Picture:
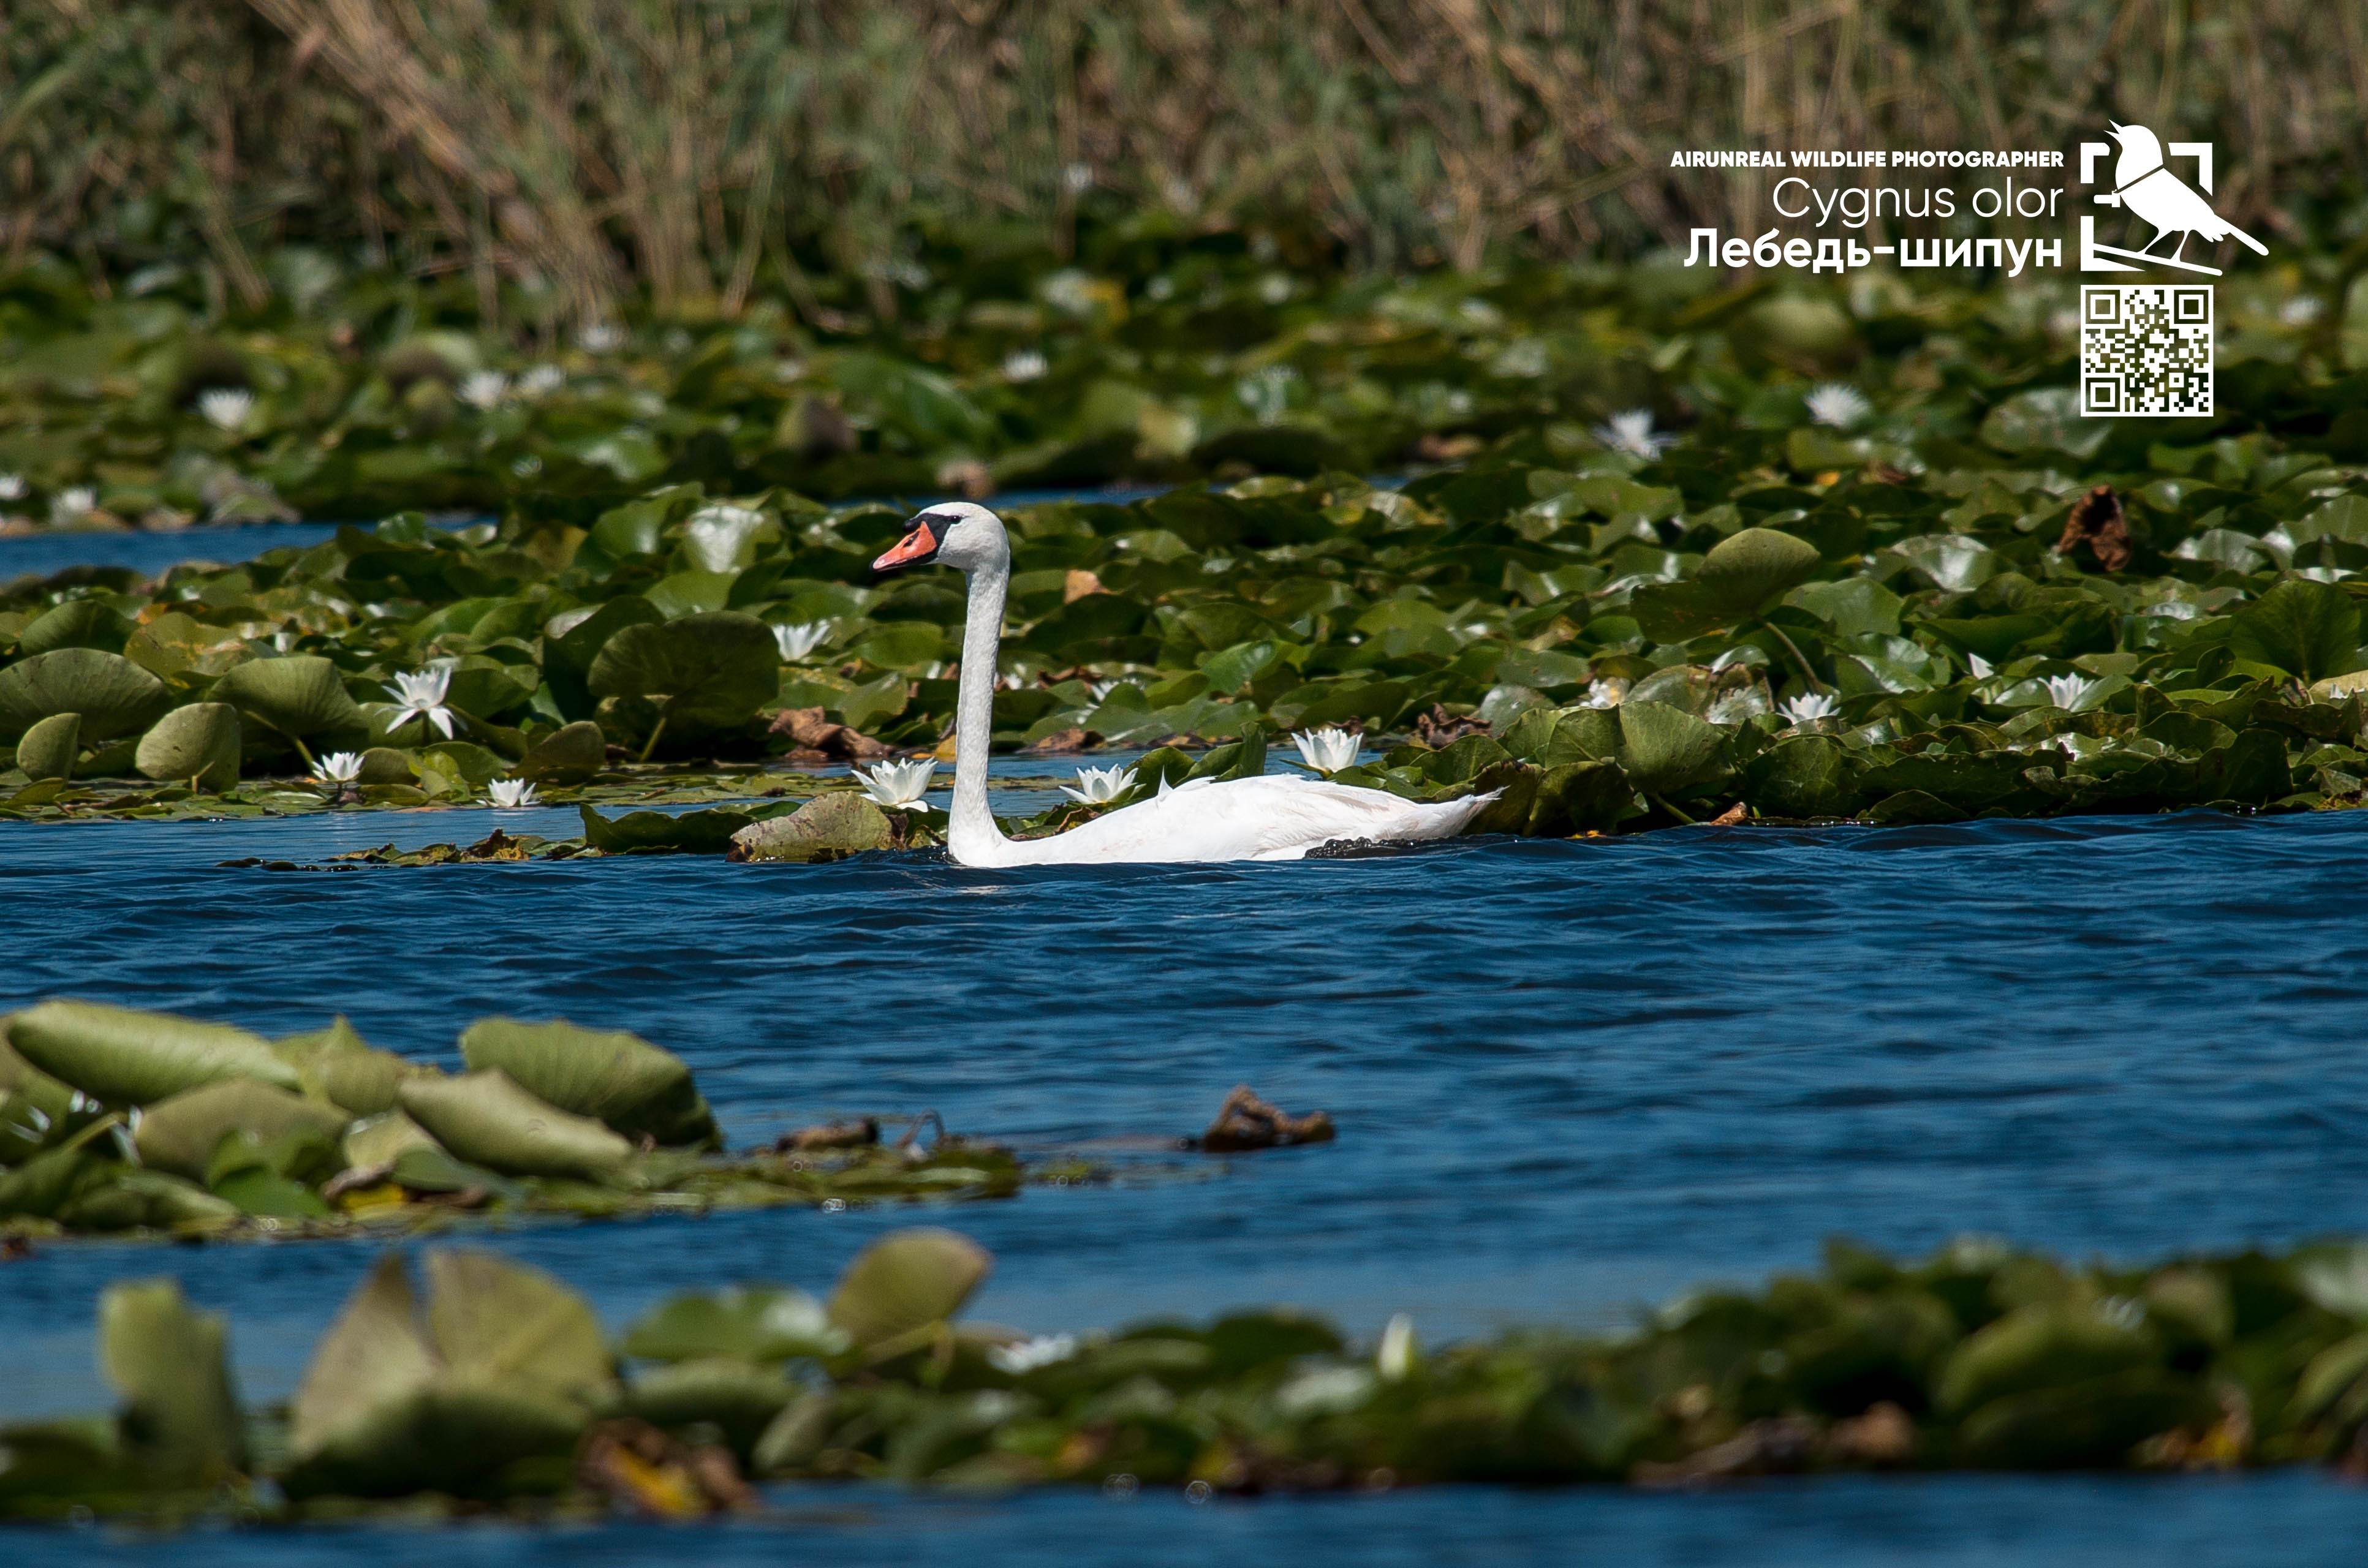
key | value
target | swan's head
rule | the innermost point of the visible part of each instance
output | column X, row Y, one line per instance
column 954, row 533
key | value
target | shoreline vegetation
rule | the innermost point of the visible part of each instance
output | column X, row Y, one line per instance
column 493, row 1392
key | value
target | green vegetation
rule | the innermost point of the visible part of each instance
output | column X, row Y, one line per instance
column 497, row 1390
column 131, row 1123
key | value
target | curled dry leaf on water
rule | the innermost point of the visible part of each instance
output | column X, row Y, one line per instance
column 2098, row 522
column 812, row 733
column 637, row 1469
column 855, row 1134
column 1246, row 1121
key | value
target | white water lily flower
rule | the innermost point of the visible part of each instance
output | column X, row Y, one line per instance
column 897, row 783
column 1018, row 1360
column 1980, row 666
column 337, row 767
column 1631, row 431
column 600, row 337
column 2301, row 310
column 421, row 692
column 1097, row 786
column 485, row 388
column 1328, row 750
column 799, row 639
column 1605, row 691
column 1838, row 404
column 511, row 794
column 1102, row 689
column 226, row 408
column 1024, row 365
column 1811, row 706
column 12, row 487
column 1393, row 1358
column 72, row 504
column 2067, row 691
column 541, row 380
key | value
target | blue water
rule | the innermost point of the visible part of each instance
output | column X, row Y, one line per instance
column 150, row 553
column 1571, row 1078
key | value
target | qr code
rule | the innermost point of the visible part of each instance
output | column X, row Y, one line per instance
column 2146, row 348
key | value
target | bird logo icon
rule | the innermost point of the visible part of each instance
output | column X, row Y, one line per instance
column 2145, row 187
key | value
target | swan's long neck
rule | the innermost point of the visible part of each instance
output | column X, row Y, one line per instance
column 971, row 832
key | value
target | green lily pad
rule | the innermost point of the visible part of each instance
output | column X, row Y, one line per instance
column 710, row 670
column 77, row 623
column 198, row 746
column 621, row 1079
column 2309, row 630
column 502, row 1367
column 488, row 1119
column 114, row 696
column 828, row 827
column 340, row 1066
column 572, row 753
column 122, row 1057
column 50, row 748
column 904, row 1285
column 301, row 696
column 170, row 1366
column 1666, row 749
column 750, row 1325
column 180, row 1134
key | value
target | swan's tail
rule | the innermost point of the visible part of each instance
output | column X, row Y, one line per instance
column 1447, row 818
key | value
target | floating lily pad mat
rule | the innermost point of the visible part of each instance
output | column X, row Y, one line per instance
column 120, row 1122
column 465, row 1381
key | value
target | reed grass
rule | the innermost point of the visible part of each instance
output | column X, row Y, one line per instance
column 698, row 152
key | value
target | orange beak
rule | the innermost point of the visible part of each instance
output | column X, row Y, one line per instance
column 918, row 546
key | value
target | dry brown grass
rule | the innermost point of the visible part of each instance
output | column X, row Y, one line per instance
column 703, row 149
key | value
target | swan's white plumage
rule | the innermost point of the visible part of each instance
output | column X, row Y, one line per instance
column 1270, row 818
column 1279, row 817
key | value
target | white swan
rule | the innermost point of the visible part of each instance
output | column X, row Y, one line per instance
column 1272, row 818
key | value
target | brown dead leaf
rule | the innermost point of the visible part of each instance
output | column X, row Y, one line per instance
column 1777, row 1445
column 1881, row 1438
column 1732, row 816
column 2096, row 520
column 1439, row 728
column 1437, row 448
column 809, row 731
column 829, row 1135
column 1078, row 584
column 1060, row 742
column 642, row 1471
column 1246, row 1121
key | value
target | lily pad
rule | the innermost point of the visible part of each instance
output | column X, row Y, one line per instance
column 488, row 1119
column 170, row 1366
column 2311, row 630
column 618, row 1078
column 180, row 1134
column 51, row 747
column 340, row 1066
column 710, row 670
column 570, row 755
column 196, row 745
column 1666, row 749
column 301, row 696
column 502, row 1368
column 752, row 1325
column 828, row 827
column 122, row 1057
column 903, row 1286
column 114, row 696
